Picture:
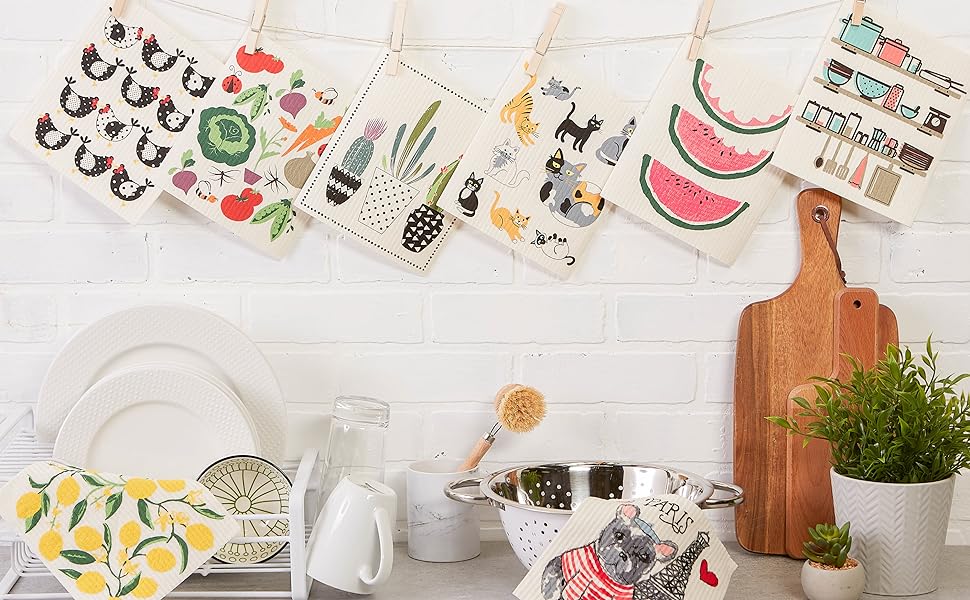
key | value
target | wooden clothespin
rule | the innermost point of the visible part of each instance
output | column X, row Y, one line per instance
column 858, row 10
column 118, row 7
column 542, row 44
column 397, row 37
column 700, row 29
column 256, row 25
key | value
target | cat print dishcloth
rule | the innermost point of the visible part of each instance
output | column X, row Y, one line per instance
column 533, row 175
column 112, row 536
column 381, row 177
column 109, row 114
column 657, row 548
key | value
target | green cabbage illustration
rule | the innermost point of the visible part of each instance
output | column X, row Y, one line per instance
column 225, row 136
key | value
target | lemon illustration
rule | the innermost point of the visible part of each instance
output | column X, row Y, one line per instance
column 199, row 536
column 68, row 491
column 28, row 504
column 146, row 588
column 160, row 559
column 87, row 538
column 140, row 489
column 51, row 545
column 130, row 534
column 90, row 582
column 171, row 485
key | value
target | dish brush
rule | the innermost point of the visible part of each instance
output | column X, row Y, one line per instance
column 518, row 408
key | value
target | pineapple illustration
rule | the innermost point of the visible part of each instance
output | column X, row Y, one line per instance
column 426, row 221
column 345, row 179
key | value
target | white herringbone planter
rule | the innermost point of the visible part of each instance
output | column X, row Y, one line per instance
column 898, row 531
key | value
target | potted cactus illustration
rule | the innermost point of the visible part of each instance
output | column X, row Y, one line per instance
column 345, row 179
column 427, row 220
column 392, row 185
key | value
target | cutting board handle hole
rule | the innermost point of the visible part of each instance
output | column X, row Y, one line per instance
column 857, row 303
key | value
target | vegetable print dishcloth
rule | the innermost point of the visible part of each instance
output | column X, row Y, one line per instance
column 111, row 536
column 657, row 548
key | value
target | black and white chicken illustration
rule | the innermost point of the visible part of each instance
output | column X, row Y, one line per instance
column 121, row 36
column 155, row 58
column 194, row 82
column 169, row 117
column 96, row 67
column 150, row 153
column 110, row 127
column 89, row 163
column 124, row 188
column 135, row 94
column 48, row 136
column 74, row 104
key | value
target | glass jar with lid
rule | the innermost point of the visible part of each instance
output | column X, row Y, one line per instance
column 358, row 426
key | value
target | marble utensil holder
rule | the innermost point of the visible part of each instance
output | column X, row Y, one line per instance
column 440, row 529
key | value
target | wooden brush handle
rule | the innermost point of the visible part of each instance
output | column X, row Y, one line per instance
column 477, row 454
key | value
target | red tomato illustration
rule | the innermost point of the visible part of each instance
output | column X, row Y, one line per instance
column 242, row 206
column 258, row 61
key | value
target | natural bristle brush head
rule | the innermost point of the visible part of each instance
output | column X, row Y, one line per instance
column 519, row 408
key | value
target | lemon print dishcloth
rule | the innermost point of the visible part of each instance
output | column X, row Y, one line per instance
column 112, row 536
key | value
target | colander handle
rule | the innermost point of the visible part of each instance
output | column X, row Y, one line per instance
column 736, row 498
column 475, row 482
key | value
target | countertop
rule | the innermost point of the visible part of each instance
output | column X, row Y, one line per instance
column 494, row 574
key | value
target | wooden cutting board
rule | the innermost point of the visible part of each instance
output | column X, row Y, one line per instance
column 781, row 343
column 858, row 321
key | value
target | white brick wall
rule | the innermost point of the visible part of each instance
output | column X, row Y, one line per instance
column 635, row 352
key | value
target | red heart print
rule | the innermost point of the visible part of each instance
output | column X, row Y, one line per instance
column 708, row 577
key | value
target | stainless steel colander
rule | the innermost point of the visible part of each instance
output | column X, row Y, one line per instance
column 535, row 501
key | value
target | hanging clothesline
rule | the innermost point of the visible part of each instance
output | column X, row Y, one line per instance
column 556, row 46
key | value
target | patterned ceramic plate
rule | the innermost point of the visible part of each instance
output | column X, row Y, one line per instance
column 248, row 485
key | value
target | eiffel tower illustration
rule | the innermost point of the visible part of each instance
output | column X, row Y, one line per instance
column 670, row 583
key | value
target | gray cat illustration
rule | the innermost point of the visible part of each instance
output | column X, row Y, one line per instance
column 611, row 149
column 557, row 90
column 626, row 550
column 503, row 167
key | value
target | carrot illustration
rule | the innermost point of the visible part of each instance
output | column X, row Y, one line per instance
column 312, row 134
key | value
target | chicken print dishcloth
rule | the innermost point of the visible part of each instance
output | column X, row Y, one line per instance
column 111, row 536
column 111, row 111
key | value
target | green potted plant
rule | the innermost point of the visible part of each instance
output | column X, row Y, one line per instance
column 899, row 432
column 830, row 573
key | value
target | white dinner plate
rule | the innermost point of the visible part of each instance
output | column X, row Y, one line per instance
column 155, row 421
column 165, row 334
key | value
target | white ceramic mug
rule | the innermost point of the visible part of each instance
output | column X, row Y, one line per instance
column 351, row 547
column 439, row 528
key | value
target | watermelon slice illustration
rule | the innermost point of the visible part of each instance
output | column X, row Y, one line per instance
column 683, row 202
column 704, row 150
column 727, row 118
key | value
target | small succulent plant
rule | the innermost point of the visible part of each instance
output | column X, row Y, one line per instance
column 829, row 545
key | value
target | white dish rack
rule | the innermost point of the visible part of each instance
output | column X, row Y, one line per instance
column 19, row 447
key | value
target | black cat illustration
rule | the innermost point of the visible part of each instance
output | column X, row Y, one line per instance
column 468, row 196
column 579, row 134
